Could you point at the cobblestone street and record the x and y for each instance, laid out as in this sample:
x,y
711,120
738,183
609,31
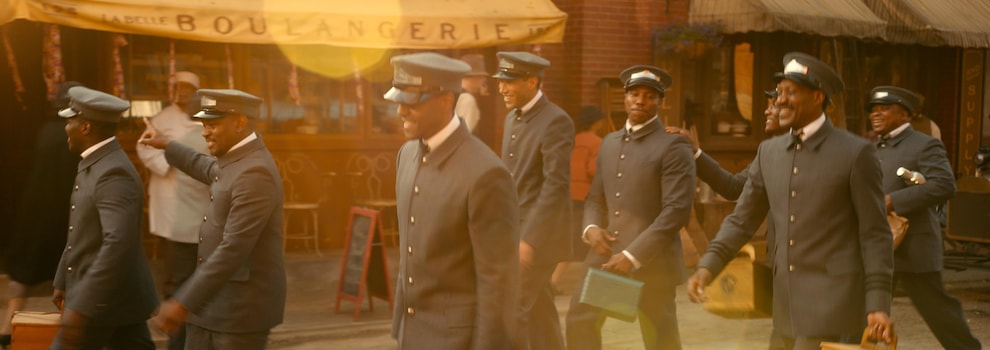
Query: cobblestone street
x,y
310,321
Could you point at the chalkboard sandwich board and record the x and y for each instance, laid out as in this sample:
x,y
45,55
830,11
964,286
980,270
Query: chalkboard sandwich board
x,y
364,271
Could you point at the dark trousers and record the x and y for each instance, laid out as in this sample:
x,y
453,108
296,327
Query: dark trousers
x,y
200,338
180,262
657,320
941,311
539,320
127,337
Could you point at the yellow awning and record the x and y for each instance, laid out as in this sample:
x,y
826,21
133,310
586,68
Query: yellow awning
x,y
961,23
418,24
828,18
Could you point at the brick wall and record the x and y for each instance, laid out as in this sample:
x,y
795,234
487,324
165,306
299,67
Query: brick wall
x,y
602,38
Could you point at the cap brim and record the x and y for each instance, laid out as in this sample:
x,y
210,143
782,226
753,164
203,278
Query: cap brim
x,y
68,113
505,76
798,78
208,115
887,101
404,97
647,83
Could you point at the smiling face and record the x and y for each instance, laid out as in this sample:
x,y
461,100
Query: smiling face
x,y
642,103
772,113
518,92
884,118
223,133
797,104
425,119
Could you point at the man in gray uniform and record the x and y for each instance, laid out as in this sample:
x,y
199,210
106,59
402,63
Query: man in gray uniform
x,y
640,198
237,292
831,253
458,220
103,279
537,143
918,260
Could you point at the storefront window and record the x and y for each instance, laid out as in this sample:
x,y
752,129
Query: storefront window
x,y
731,92
307,90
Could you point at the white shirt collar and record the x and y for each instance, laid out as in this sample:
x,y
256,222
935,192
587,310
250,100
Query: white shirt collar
x,y
97,146
528,106
437,139
812,127
898,130
635,128
243,142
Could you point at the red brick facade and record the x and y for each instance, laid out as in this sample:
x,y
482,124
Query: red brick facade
x,y
602,38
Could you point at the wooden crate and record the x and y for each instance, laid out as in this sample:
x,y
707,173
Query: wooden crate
x,y
34,330
744,289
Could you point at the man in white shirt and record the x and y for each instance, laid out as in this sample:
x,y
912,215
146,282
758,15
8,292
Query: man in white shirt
x,y
473,85
175,200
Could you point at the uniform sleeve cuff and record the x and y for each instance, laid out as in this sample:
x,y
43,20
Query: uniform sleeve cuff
x,y
697,154
632,258
584,234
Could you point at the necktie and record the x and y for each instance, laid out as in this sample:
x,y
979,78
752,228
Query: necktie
x,y
883,141
796,138
424,149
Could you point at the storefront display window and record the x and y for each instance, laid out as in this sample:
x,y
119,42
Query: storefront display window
x,y
718,95
309,91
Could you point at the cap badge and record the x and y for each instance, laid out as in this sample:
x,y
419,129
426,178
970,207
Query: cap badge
x,y
504,63
795,67
644,74
404,78
880,94
208,102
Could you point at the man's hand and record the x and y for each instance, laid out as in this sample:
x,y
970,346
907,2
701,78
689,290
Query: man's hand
x,y
600,240
58,298
880,326
525,255
171,316
696,284
691,135
151,136
889,203
618,263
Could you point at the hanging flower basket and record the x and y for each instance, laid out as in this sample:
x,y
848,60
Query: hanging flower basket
x,y
691,40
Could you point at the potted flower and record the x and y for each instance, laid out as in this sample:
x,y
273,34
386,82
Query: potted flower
x,y
692,40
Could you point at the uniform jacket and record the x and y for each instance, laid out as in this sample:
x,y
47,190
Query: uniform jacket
x,y
921,249
458,282
726,184
103,269
239,282
831,252
642,192
536,148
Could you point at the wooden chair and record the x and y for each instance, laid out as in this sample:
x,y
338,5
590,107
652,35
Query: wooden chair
x,y
304,188
368,175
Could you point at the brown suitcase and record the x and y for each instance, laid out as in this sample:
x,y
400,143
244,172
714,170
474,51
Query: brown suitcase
x,y
744,288
865,344
34,330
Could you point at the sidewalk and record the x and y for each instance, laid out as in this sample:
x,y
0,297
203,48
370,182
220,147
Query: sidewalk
x,y
311,323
